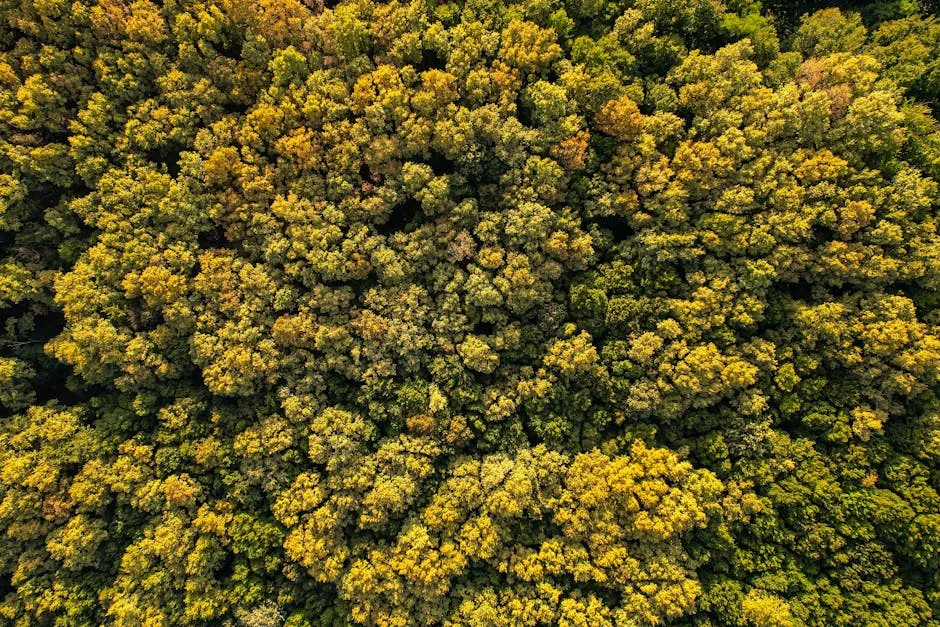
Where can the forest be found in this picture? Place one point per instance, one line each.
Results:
(588, 313)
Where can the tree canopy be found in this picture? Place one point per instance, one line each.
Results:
(541, 312)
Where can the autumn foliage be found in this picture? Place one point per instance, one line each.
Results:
(543, 312)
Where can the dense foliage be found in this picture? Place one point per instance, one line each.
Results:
(574, 312)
